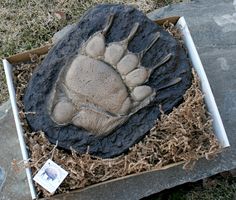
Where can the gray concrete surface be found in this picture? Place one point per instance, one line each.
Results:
(12, 185)
(212, 24)
(2, 177)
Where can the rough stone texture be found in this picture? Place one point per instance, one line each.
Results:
(39, 88)
(2, 177)
(4, 109)
(12, 185)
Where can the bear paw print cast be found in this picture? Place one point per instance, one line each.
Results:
(104, 84)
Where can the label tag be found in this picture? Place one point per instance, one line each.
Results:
(50, 176)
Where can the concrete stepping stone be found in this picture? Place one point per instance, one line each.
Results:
(213, 26)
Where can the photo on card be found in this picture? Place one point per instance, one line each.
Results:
(50, 176)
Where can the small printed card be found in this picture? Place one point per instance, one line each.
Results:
(50, 176)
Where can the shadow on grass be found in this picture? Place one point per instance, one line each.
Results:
(218, 187)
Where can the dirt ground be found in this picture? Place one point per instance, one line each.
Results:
(27, 24)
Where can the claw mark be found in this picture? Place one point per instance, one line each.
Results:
(108, 24)
(163, 61)
(171, 83)
(132, 32)
(155, 38)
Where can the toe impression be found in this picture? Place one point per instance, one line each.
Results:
(63, 112)
(96, 46)
(127, 64)
(113, 53)
(136, 77)
(141, 92)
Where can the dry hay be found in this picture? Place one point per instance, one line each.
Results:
(185, 134)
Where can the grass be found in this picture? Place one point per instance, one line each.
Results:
(215, 188)
(27, 24)
(218, 187)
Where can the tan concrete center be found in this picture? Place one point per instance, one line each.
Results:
(98, 83)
